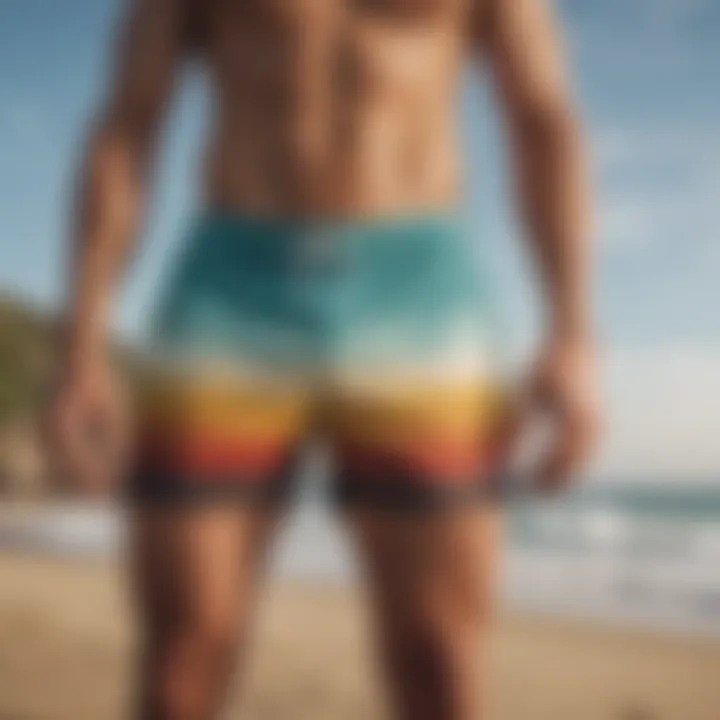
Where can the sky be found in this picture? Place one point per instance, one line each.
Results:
(645, 73)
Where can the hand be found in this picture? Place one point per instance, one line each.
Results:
(563, 391)
(86, 427)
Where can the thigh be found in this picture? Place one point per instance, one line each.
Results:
(421, 566)
(196, 570)
(431, 580)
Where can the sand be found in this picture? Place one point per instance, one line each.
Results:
(65, 646)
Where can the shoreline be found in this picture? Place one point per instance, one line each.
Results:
(609, 586)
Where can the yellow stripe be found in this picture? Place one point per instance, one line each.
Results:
(459, 413)
(223, 409)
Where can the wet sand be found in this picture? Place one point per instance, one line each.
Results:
(65, 647)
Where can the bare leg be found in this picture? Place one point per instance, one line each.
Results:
(431, 583)
(194, 575)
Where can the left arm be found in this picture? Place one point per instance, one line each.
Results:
(523, 46)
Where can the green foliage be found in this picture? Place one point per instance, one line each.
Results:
(26, 342)
(28, 347)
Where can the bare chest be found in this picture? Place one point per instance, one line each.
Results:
(275, 13)
(374, 41)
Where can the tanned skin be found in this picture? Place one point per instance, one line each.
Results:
(329, 108)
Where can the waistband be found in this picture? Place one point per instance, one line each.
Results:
(221, 223)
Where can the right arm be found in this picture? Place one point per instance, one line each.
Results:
(151, 46)
(113, 185)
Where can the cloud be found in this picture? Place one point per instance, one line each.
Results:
(657, 184)
(663, 413)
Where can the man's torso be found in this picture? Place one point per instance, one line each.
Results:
(332, 107)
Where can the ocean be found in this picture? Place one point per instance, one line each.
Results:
(644, 554)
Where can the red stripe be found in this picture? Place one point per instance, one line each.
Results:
(447, 464)
(210, 456)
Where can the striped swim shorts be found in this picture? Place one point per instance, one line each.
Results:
(370, 337)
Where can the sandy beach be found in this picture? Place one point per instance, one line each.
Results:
(65, 643)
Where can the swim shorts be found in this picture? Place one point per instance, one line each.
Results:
(372, 337)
